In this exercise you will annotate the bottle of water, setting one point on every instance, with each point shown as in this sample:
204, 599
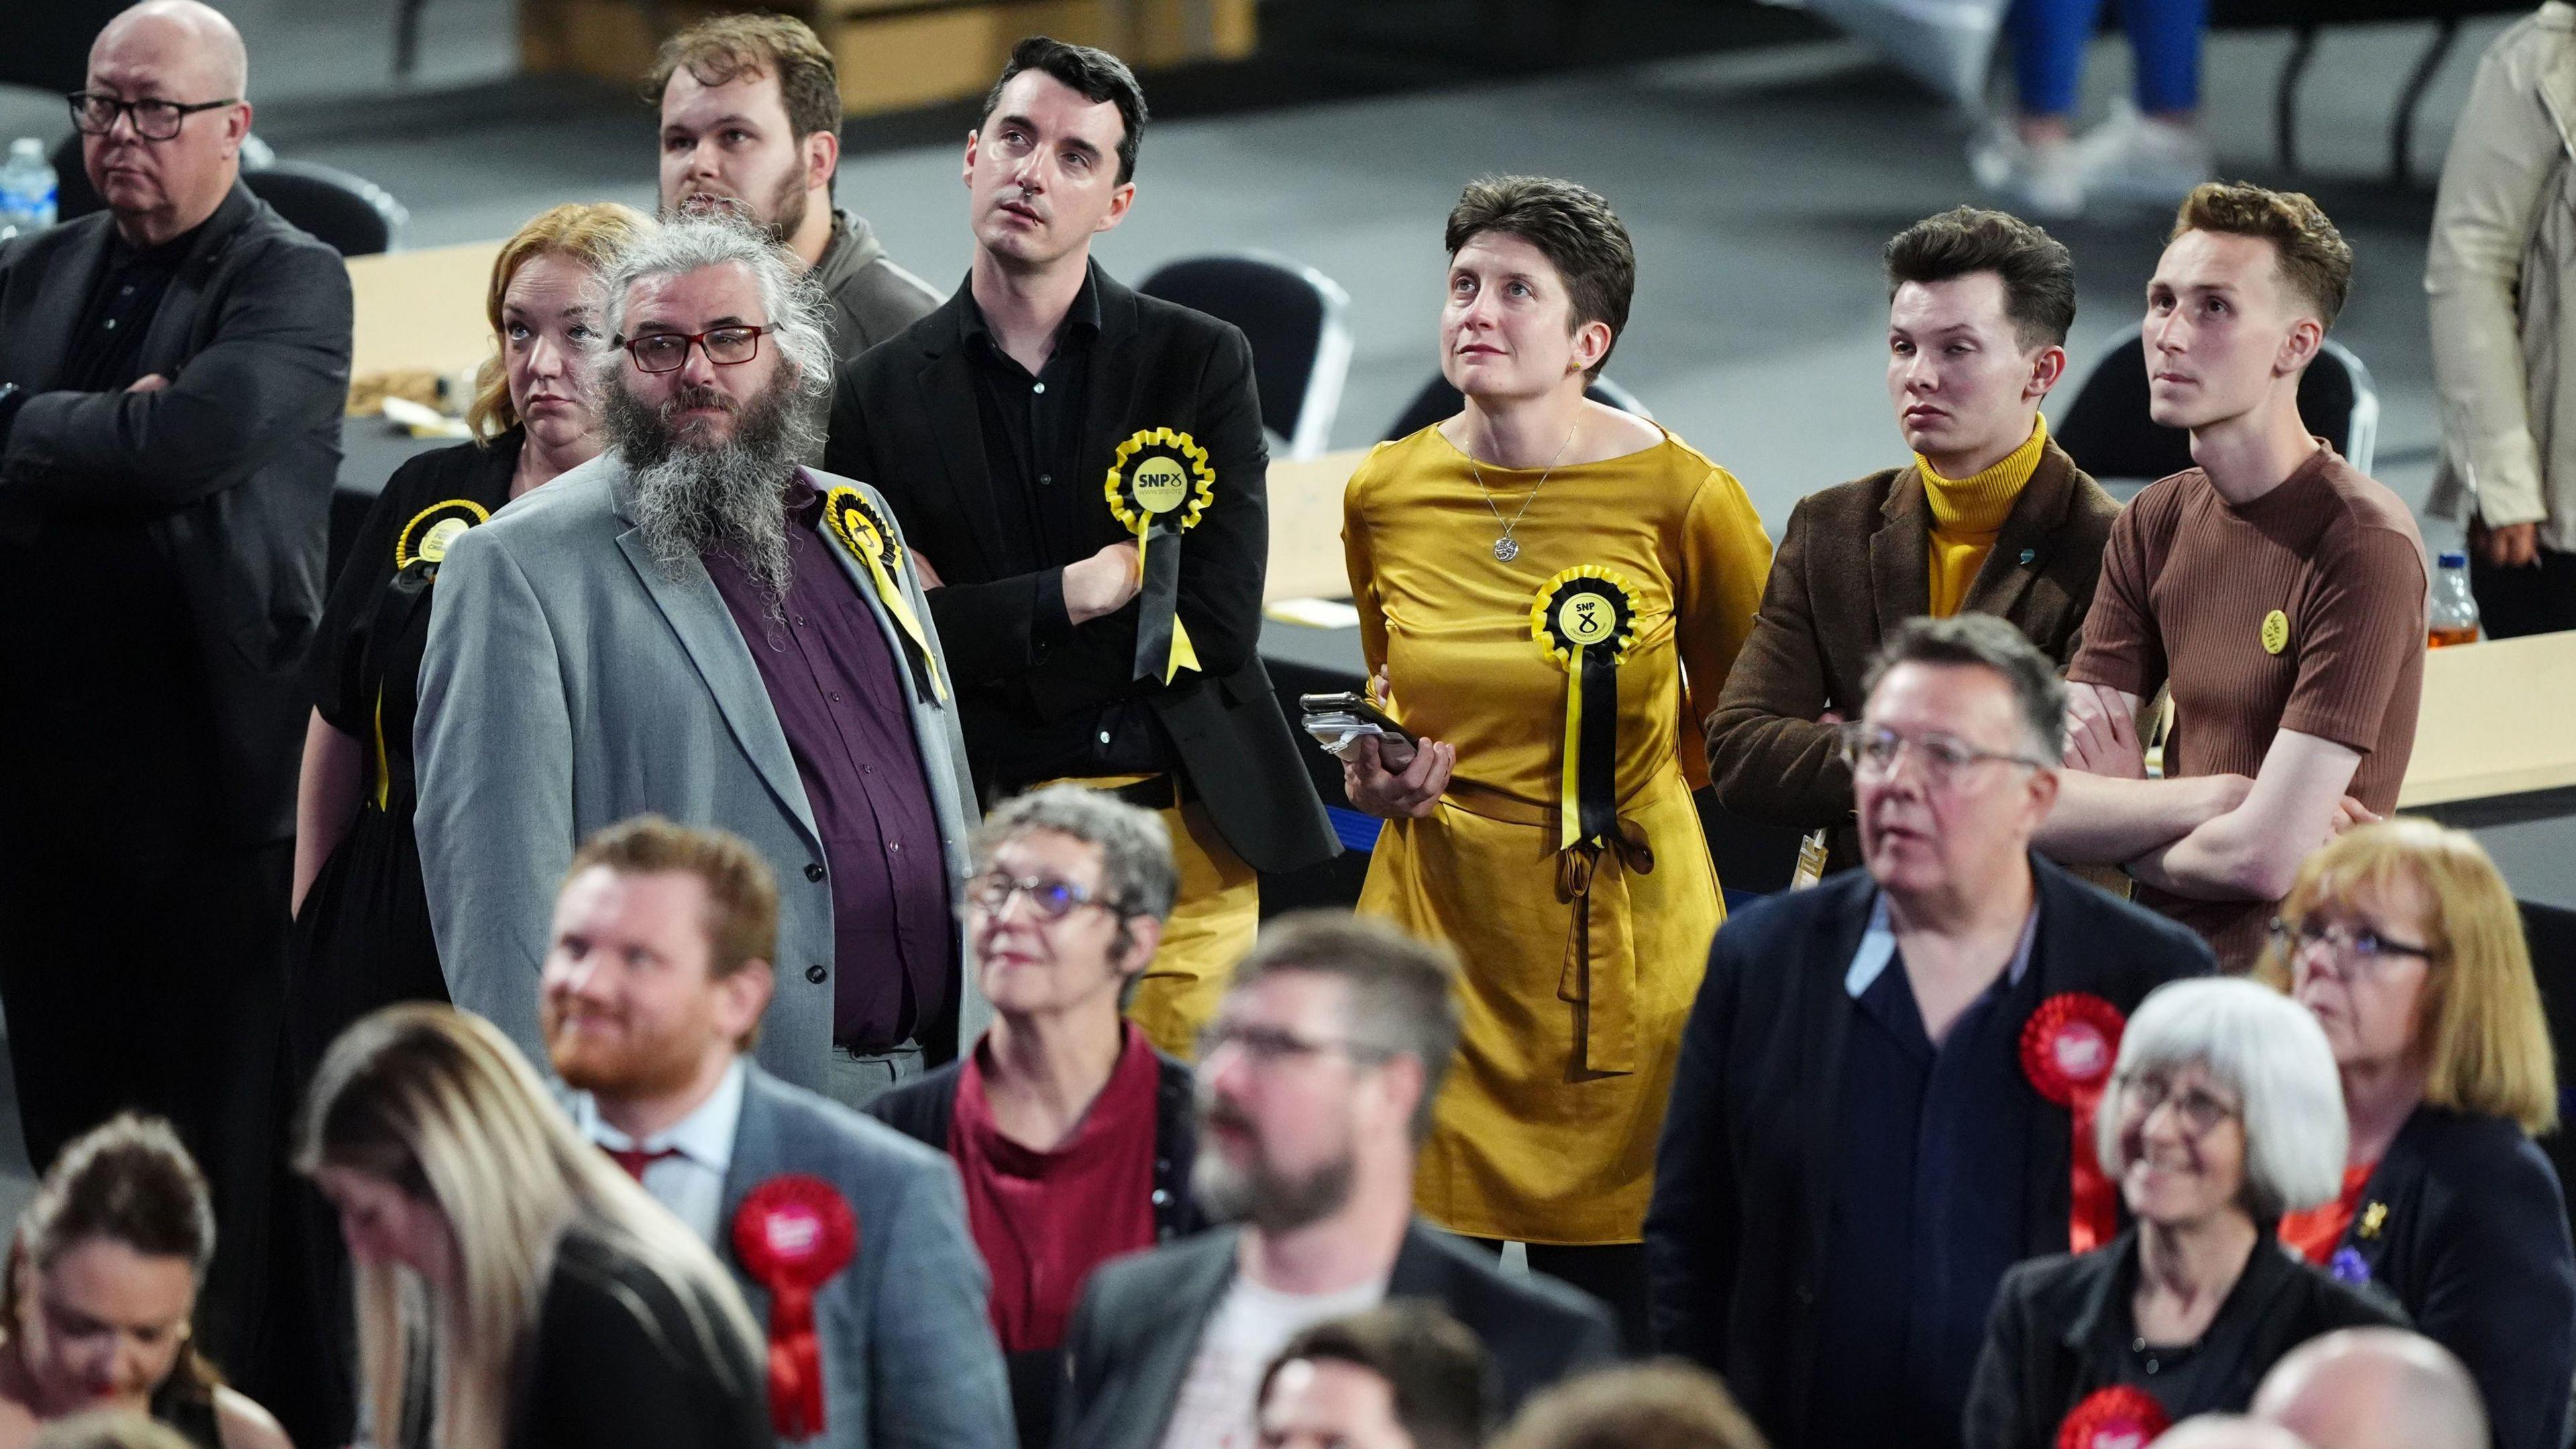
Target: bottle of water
2452, 611
27, 186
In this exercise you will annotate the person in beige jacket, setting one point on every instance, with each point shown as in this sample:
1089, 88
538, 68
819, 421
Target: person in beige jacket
2503, 254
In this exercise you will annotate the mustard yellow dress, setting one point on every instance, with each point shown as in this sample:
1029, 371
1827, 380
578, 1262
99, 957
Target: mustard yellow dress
1578, 972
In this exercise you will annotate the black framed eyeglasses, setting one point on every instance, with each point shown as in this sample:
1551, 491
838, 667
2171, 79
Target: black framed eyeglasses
669, 351
2345, 943
1874, 751
95, 113
1052, 897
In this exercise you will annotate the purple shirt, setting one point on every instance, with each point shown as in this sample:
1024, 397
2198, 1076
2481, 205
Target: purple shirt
838, 689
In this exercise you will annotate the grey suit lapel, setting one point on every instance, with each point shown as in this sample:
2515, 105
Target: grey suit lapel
697, 613
1156, 1389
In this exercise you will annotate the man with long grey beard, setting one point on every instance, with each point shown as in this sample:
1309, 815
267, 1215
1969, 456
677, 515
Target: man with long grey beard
695, 625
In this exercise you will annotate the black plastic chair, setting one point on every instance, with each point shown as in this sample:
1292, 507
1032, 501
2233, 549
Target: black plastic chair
1294, 317
2107, 432
354, 215
1439, 400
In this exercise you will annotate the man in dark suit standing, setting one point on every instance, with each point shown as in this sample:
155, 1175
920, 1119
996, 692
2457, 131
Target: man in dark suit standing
172, 373
1884, 1093
652, 990
1990, 517
1081, 469
1316, 1090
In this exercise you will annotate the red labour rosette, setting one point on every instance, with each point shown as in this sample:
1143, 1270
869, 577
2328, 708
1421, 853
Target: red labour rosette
791, 1234
2067, 1049
2119, 1417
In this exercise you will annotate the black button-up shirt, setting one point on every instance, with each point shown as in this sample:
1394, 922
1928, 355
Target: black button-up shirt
839, 690
1930, 1163
1051, 513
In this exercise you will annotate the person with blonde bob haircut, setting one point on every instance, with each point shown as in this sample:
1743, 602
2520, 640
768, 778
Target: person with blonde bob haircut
362, 936
2405, 944
2221, 1113
566, 1308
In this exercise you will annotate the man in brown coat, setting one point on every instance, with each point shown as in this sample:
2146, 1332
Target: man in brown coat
1991, 517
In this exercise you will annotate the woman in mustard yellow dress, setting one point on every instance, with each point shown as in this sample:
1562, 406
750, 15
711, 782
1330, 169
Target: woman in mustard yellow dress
1540, 581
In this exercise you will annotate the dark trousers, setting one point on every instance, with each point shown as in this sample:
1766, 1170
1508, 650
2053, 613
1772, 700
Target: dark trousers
2540, 599
157, 988
1615, 1273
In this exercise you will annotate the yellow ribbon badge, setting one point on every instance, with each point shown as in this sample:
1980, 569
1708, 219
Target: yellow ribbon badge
1585, 618
855, 522
2276, 632
426, 538
1159, 484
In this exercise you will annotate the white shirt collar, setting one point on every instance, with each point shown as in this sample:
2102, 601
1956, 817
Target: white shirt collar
1878, 947
704, 1137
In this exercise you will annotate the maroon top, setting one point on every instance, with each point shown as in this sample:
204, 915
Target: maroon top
838, 689
1044, 1220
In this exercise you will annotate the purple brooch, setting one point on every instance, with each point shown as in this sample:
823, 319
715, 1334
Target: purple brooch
2348, 1266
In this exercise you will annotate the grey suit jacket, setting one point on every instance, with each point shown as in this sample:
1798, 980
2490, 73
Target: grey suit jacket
570, 682
1129, 1347
909, 1359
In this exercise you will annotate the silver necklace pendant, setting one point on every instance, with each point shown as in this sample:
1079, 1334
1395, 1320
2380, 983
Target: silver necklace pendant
1506, 548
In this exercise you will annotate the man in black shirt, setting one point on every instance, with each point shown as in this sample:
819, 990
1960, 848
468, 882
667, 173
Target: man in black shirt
1081, 470
172, 372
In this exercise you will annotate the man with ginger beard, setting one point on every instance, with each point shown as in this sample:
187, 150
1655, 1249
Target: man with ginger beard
693, 624
651, 991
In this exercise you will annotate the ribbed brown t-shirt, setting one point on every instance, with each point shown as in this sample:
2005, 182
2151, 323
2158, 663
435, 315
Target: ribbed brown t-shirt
2190, 585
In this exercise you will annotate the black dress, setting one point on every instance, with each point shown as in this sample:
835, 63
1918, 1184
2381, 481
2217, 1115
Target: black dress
362, 939
620, 1362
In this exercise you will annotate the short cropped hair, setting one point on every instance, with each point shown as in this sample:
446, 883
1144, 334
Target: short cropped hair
2482, 1032
2313, 257
1667, 1404
1988, 642
1401, 999
722, 49
1433, 1366
2037, 270
2270, 1052
1572, 227
1137, 877
680, 245
742, 892
1095, 74
592, 234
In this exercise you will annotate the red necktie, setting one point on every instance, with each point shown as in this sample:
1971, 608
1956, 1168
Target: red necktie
636, 1159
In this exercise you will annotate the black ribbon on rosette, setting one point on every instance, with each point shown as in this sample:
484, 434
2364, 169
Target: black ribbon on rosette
1160, 483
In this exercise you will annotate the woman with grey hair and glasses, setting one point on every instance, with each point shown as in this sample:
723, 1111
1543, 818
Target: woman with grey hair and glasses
1073, 1135
2223, 1112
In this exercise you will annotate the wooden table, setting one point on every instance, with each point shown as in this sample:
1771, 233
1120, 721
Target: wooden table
422, 310
1306, 527
2496, 721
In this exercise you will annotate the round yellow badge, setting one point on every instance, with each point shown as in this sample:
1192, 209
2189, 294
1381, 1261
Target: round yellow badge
1159, 484
1587, 619
2276, 632
433, 544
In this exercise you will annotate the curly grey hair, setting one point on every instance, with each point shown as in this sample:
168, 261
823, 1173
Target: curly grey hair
684, 244
1136, 872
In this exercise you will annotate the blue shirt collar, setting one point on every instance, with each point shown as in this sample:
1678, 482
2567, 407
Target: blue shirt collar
1878, 947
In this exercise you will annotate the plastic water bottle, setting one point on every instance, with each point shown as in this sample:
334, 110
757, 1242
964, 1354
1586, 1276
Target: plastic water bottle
2453, 610
27, 189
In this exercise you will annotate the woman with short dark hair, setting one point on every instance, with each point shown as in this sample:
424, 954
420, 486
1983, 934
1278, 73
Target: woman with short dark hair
1535, 576
96, 1313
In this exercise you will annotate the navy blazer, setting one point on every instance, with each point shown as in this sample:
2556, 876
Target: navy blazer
2463, 1224
1736, 1234
909, 1360
1132, 1338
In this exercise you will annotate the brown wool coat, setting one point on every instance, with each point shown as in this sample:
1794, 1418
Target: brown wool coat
1854, 564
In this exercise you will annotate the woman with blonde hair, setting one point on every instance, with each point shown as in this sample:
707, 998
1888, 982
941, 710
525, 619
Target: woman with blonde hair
361, 936
96, 1311
565, 1308
2403, 942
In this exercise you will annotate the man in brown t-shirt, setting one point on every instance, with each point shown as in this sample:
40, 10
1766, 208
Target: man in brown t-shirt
2279, 590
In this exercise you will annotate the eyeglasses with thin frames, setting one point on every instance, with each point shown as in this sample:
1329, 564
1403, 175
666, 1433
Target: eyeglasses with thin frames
729, 346
2348, 945
95, 113
1874, 752
1268, 1046
2199, 1110
1052, 897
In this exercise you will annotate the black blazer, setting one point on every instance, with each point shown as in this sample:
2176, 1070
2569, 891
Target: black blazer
620, 1363
922, 1110
1736, 1233
905, 418
2060, 1321
230, 467
1140, 1320
2473, 1245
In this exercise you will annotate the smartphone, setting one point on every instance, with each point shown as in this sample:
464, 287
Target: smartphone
1356, 706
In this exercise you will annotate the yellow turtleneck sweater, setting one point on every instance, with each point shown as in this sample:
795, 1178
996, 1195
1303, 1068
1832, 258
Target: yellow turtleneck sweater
1967, 513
